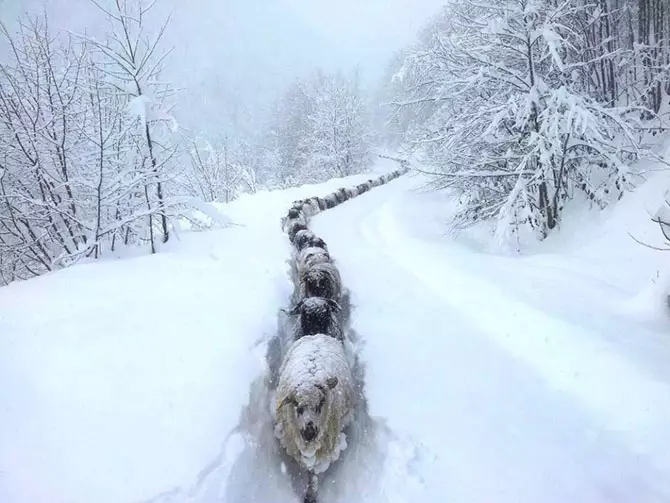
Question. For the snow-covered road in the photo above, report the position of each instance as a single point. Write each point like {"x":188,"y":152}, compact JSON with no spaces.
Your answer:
{"x":499,"y":400}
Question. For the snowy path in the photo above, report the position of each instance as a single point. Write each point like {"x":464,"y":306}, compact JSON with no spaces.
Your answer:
{"x":488,"y":378}
{"x":502,"y":401}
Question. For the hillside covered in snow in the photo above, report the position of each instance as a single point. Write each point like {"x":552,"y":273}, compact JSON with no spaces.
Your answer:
{"x":137,"y":379}
{"x":282,"y":251}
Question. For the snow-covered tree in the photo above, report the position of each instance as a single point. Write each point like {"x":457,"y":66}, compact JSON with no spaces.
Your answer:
{"x":216,"y":173}
{"x":496,"y":90}
{"x":41,"y":110}
{"x":134,"y":61}
{"x":83,"y":144}
{"x":321,"y":130}
{"x":338,"y":129}
{"x":287,"y":132}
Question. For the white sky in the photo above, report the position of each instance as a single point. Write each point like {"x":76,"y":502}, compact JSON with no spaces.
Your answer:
{"x":245,"y":51}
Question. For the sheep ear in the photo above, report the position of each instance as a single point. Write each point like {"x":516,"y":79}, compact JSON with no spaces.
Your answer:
{"x":334,"y":305}
{"x":287,"y":400}
{"x":296,"y":309}
{"x":331,"y":382}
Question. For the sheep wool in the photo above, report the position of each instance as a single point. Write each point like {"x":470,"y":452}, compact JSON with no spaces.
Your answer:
{"x":311,"y":366}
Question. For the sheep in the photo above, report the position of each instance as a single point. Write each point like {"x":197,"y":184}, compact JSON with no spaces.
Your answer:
{"x":311,"y":256}
{"x":322,"y":203}
{"x":317,"y":242}
{"x":331,"y":201}
{"x":314,"y":402}
{"x":340,"y":195}
{"x":308,"y":209}
{"x":292,"y":216}
{"x":294,"y":213}
{"x":362,"y":188}
{"x":303,"y":239}
{"x":307,"y":239}
{"x":292,"y":228}
{"x":312,"y":206}
{"x":317,"y":316}
{"x":320,"y":279}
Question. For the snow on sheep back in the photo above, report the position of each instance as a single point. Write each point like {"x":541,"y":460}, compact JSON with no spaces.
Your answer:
{"x":314,"y":401}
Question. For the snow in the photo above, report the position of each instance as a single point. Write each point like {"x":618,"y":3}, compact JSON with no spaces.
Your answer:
{"x":515,"y":378}
{"x":534,"y":378}
{"x":121,"y":378}
{"x":139,"y":107}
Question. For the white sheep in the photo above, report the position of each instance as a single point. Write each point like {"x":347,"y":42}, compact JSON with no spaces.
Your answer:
{"x":315,"y":401}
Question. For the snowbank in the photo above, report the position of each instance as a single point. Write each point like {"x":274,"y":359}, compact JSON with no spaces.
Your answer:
{"x":507,"y":379}
{"x":121,"y":378}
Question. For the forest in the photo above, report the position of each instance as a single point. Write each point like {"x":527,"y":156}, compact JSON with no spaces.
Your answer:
{"x":517,"y":107}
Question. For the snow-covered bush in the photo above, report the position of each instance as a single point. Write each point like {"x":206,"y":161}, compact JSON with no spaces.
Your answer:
{"x":214,"y":174}
{"x":314,"y":401}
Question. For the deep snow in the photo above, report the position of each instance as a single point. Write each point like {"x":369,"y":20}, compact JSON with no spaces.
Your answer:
{"x":540,"y":378}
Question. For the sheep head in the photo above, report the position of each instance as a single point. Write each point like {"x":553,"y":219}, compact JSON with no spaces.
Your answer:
{"x":309,"y":408}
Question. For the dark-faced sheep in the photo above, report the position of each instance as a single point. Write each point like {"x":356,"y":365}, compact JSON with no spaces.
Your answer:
{"x":320,"y":279}
{"x":317,"y":316}
{"x":294,"y":213}
{"x":315,"y":401}
{"x":303,"y":239}
{"x":339,"y":196}
{"x":317,"y":242}
{"x":362,"y":188}
{"x":307,"y":239}
{"x":293,"y":227}
{"x":331,"y":201}
{"x":322,"y":203}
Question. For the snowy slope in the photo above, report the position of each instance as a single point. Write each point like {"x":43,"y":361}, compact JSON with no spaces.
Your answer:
{"x":120,"y":379}
{"x":488,"y":378}
{"x":516,"y":379}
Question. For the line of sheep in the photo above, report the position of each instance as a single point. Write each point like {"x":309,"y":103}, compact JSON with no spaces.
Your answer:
{"x":315,"y":391}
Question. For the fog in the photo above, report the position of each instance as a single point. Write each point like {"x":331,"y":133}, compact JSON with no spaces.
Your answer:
{"x":231,"y":58}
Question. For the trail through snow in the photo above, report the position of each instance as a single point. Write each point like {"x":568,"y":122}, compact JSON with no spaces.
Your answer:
{"x":487,"y":378}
